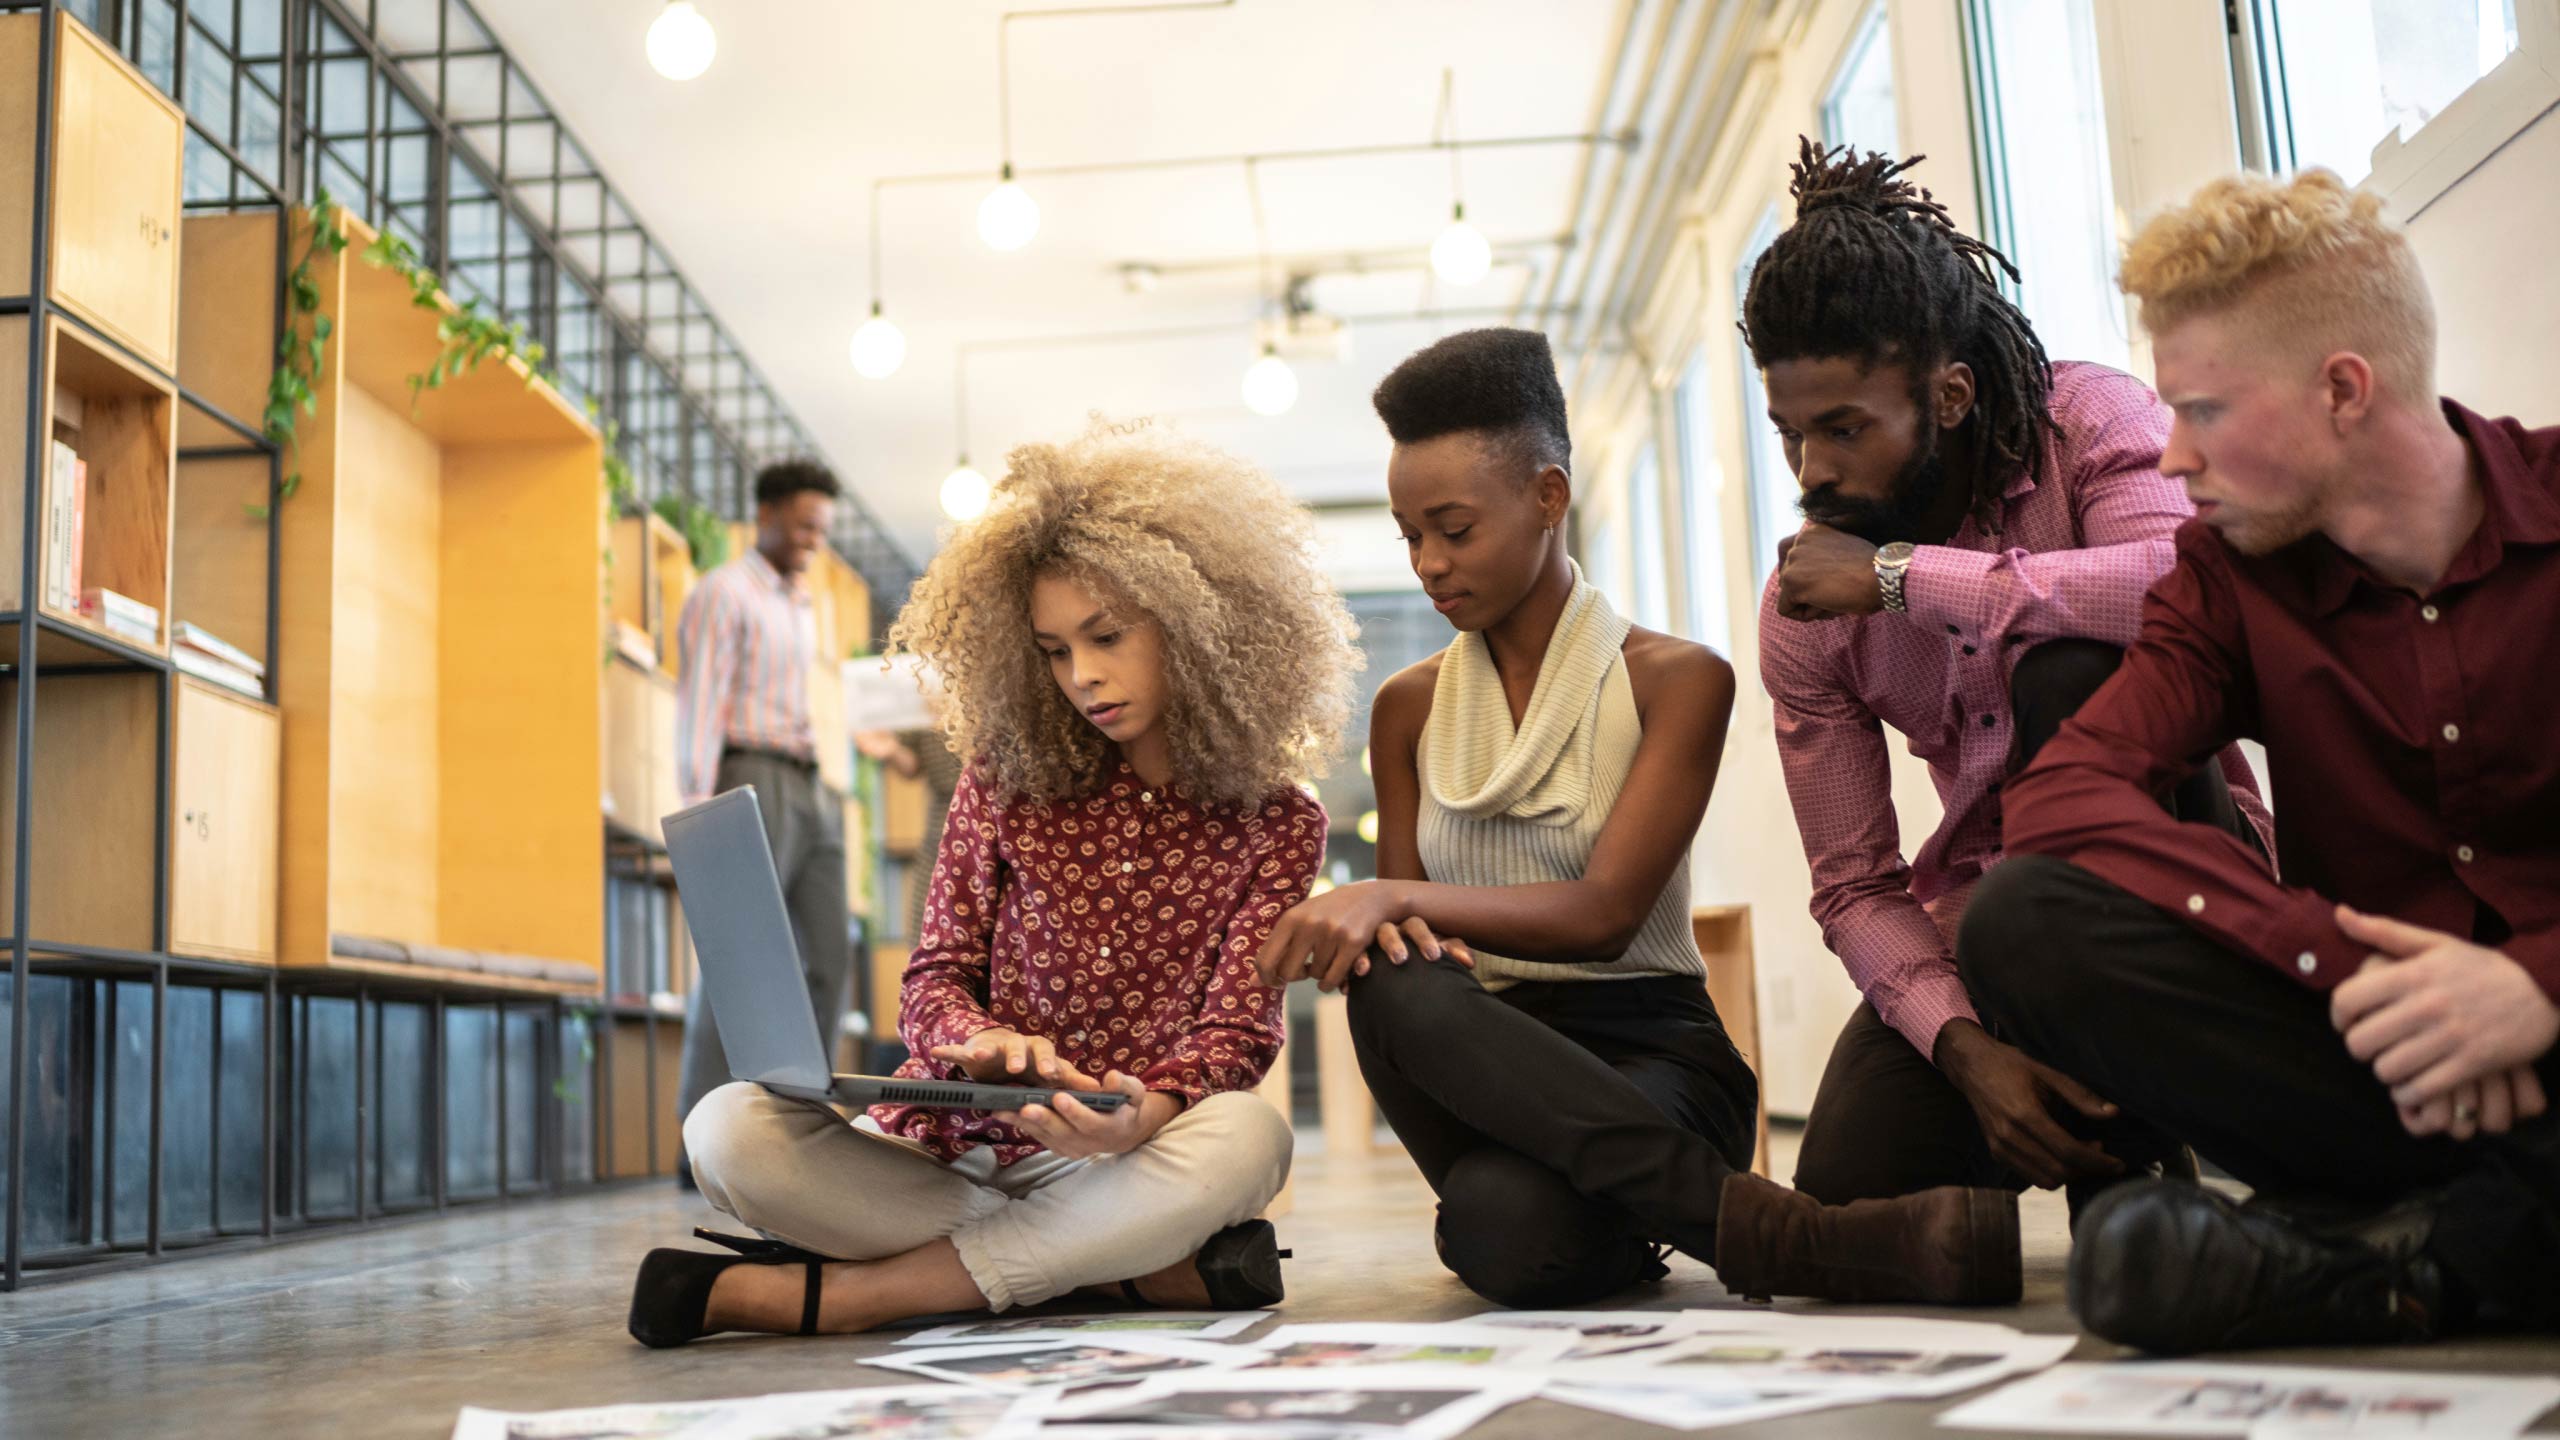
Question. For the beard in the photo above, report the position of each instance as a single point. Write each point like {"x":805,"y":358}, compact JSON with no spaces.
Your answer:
{"x":1914,"y":495}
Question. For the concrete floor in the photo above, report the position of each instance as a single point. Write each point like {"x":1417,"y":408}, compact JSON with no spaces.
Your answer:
{"x":387,"y":1333}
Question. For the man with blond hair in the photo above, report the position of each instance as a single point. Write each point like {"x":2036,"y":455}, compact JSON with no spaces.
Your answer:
{"x":2371,"y":588}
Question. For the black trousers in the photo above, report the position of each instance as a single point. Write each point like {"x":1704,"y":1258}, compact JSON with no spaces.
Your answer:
{"x":1885,"y":1120}
{"x":1564,"y":1125}
{"x":2226,"y":1054}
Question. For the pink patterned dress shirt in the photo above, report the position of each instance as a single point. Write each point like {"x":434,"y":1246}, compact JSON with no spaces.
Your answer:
{"x":2078,"y":545}
{"x":1121,"y":927}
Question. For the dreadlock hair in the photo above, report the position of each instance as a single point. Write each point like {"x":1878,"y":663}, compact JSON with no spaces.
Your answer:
{"x":1873,"y":269}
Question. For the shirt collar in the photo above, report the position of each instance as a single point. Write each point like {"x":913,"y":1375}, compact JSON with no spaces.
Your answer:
{"x":2518,"y":508}
{"x":764,"y":571}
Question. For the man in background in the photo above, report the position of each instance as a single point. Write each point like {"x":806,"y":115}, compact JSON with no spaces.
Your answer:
{"x":745,"y":642}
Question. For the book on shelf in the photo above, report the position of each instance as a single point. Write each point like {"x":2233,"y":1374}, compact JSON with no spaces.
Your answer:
{"x":188,"y":634}
{"x":206,"y":667}
{"x":122,"y":616}
{"x":635,"y":644}
{"x":65,"y":504}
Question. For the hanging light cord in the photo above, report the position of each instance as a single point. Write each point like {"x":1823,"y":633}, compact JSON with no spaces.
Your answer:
{"x":1444,"y":131}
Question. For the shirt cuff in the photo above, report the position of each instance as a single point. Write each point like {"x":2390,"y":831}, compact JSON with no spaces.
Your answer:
{"x":1185,"y":1075}
{"x":2302,"y":940}
{"x":1927,"y":1006}
{"x":954,"y":1026}
{"x":1940,"y":582}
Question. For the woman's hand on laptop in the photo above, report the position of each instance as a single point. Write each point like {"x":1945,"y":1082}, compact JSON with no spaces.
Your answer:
{"x":1009,"y":1057}
{"x":1080,"y":1133}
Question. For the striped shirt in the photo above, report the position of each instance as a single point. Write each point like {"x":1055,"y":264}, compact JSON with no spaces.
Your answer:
{"x":2079,"y":543}
{"x":744,"y":645}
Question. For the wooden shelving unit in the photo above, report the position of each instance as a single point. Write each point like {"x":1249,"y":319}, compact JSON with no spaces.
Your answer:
{"x":441,"y":773}
{"x":422,"y":776}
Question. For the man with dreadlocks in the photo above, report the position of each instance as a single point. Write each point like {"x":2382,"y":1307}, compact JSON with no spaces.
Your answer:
{"x":1980,"y":525}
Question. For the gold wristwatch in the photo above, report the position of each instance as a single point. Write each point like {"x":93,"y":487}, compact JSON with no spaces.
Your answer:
{"x":1891,"y":563}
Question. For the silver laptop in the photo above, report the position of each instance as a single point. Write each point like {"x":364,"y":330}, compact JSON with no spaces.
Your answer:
{"x":750,"y":972}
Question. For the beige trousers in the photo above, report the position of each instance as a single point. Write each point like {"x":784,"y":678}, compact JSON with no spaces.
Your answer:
{"x":797,"y":1171}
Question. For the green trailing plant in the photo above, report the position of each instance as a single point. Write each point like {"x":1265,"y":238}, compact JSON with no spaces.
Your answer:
{"x":468,"y":334}
{"x":302,"y":349}
{"x":704,"y":535}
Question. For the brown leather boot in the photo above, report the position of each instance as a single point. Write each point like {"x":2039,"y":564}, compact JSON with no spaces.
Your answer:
{"x":1948,"y":1246}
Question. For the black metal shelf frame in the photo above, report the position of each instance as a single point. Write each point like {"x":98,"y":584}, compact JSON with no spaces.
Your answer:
{"x":253,"y":77}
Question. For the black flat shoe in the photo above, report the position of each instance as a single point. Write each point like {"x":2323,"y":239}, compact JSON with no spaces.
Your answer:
{"x":669,"y":1299}
{"x":2175,"y":1268}
{"x":1240,"y":1267}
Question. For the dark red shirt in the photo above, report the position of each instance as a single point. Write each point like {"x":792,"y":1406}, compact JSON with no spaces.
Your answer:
{"x":2413,"y":741}
{"x":1121,"y":927}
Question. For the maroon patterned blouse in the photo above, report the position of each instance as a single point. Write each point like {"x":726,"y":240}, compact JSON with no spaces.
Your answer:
{"x":1121,"y":927}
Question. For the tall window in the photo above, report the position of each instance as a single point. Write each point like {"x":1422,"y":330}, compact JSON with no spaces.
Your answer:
{"x":1701,"y":516}
{"x":1773,"y":484}
{"x":1859,"y":110}
{"x":1644,"y":540}
{"x":2040,"y":137}
{"x":2334,"y":77}
{"x":1604,"y":562}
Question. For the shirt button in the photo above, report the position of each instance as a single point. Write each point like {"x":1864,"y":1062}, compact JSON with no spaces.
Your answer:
{"x":1990,"y":720}
{"x":1106,"y":952}
{"x":2452,"y":733}
{"x":1968,"y":649}
{"x":2428,"y":613}
{"x":2462,"y":853}
{"x":1953,"y":630}
{"x":1128,"y":867}
{"x":2306,"y":962}
{"x":1147,"y":795}
{"x":2195,"y":904}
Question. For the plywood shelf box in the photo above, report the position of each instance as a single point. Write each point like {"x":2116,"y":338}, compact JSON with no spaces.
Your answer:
{"x":438,"y":665}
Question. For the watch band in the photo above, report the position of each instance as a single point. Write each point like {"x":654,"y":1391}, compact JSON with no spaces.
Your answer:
{"x":1892,"y":563}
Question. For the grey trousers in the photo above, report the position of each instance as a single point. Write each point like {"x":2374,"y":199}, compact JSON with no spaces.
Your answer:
{"x":805,"y":826}
{"x":797,"y":1171}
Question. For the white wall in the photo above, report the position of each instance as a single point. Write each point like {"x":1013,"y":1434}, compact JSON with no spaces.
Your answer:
{"x":2486,"y":247}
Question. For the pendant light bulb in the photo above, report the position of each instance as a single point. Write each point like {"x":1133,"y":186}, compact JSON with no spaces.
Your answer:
{"x":681,"y":42}
{"x":965,"y":492}
{"x":1270,"y":386}
{"x":879,"y":347}
{"x":1461,"y":256}
{"x":1008,"y":217}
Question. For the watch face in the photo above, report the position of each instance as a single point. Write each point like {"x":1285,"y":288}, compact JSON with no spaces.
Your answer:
{"x":1897,"y":553}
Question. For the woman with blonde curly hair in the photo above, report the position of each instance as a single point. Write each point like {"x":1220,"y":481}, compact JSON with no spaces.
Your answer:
{"x":1139,"y":663}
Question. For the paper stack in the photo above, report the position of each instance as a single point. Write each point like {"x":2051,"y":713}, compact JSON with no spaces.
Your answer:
{"x":121,"y":616}
{"x":207,"y":656}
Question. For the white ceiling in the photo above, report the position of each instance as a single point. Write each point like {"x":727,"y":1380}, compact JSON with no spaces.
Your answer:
{"x":758,"y":179}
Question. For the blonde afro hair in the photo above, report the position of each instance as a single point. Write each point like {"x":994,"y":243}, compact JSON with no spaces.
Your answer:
{"x":2311,"y":261}
{"x":1258,"y":650}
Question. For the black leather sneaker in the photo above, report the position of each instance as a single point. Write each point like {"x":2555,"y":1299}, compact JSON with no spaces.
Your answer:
{"x":2174,"y":1268}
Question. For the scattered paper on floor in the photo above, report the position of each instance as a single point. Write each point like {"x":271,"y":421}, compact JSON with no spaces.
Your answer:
{"x":905,"y":1412}
{"x":1179,"y":1324}
{"x":2259,"y":1402}
{"x":1031,"y":1364}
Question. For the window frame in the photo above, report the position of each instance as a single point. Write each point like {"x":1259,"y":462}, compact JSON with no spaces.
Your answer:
{"x":2411,"y":173}
{"x":1875,"y":29}
{"x":1753,"y":397}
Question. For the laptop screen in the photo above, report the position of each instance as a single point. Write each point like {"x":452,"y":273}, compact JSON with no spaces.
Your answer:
{"x":750,"y":969}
